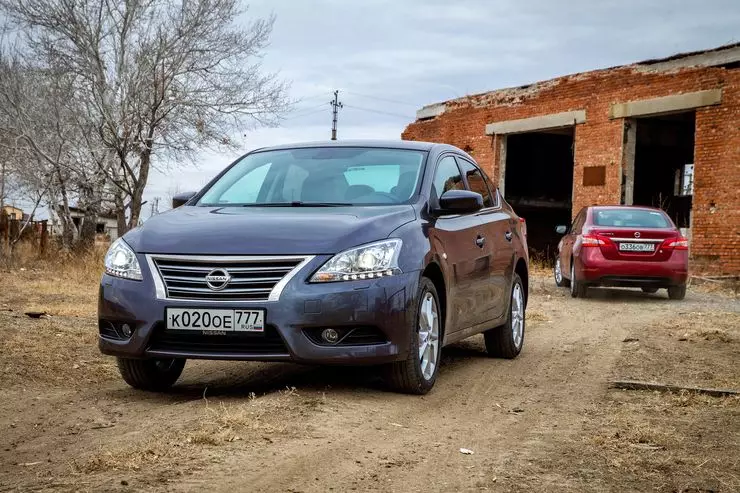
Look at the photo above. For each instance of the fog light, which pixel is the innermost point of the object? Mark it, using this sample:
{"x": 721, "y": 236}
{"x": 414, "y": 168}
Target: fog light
{"x": 126, "y": 330}
{"x": 330, "y": 335}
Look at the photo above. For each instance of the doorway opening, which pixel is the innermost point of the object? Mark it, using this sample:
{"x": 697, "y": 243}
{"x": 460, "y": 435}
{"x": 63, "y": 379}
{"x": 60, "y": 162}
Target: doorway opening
{"x": 664, "y": 164}
{"x": 538, "y": 183}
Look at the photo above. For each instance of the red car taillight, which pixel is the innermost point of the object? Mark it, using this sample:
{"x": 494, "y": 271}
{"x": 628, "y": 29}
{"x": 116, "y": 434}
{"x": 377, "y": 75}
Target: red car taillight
{"x": 592, "y": 241}
{"x": 680, "y": 243}
{"x": 523, "y": 222}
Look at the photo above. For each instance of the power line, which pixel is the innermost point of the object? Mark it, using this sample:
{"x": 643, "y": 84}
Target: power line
{"x": 405, "y": 117}
{"x": 382, "y": 99}
{"x": 309, "y": 108}
{"x": 309, "y": 113}
{"x": 315, "y": 96}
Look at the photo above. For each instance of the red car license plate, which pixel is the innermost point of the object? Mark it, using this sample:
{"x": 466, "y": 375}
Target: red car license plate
{"x": 637, "y": 247}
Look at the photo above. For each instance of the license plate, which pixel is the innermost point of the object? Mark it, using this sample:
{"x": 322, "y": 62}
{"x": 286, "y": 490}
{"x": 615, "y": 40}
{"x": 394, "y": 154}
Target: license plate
{"x": 219, "y": 320}
{"x": 637, "y": 247}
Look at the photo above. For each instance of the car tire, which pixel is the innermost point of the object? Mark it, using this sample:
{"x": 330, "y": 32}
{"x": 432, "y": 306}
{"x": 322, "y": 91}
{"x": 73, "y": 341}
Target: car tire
{"x": 578, "y": 289}
{"x": 154, "y": 375}
{"x": 677, "y": 292}
{"x": 650, "y": 290}
{"x": 412, "y": 375}
{"x": 506, "y": 341}
{"x": 560, "y": 280}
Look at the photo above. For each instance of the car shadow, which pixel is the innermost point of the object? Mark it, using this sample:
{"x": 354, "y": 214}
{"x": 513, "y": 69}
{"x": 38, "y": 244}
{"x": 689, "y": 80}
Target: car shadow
{"x": 246, "y": 379}
{"x": 462, "y": 351}
{"x": 274, "y": 377}
{"x": 626, "y": 294}
{"x": 251, "y": 379}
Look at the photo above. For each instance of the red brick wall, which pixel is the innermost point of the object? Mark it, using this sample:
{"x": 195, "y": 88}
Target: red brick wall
{"x": 598, "y": 142}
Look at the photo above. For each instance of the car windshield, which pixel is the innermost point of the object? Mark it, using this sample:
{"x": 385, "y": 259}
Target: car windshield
{"x": 322, "y": 176}
{"x": 630, "y": 218}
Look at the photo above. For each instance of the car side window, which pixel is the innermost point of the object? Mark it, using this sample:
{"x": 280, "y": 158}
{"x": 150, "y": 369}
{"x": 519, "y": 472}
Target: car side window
{"x": 476, "y": 181}
{"x": 494, "y": 191}
{"x": 446, "y": 177}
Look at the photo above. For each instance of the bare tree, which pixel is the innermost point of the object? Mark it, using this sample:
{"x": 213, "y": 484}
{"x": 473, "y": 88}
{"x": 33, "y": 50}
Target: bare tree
{"x": 155, "y": 77}
{"x": 5, "y": 172}
{"x": 36, "y": 108}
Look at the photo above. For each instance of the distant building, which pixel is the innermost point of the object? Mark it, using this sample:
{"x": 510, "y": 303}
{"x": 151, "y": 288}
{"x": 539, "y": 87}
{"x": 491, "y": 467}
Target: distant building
{"x": 663, "y": 133}
{"x": 105, "y": 224}
{"x": 14, "y": 213}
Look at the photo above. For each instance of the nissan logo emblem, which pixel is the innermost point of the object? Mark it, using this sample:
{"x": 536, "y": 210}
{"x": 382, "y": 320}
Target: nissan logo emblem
{"x": 637, "y": 234}
{"x": 218, "y": 279}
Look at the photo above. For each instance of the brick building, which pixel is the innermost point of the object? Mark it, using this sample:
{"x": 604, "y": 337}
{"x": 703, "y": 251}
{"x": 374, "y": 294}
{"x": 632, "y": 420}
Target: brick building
{"x": 660, "y": 132}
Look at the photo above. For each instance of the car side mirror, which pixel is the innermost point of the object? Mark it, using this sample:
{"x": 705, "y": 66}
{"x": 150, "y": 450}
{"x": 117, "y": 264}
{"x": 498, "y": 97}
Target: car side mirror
{"x": 561, "y": 230}
{"x": 182, "y": 198}
{"x": 460, "y": 202}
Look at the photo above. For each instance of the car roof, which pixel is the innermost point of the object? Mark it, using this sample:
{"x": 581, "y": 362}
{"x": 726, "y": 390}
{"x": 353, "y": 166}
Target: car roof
{"x": 381, "y": 144}
{"x": 634, "y": 207}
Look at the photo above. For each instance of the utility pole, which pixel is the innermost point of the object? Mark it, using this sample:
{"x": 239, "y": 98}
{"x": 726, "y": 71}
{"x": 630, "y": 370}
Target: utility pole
{"x": 336, "y": 105}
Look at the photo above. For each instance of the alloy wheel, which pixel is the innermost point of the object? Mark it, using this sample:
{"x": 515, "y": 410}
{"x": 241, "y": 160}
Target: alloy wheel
{"x": 428, "y": 335}
{"x": 558, "y": 272}
{"x": 517, "y": 315}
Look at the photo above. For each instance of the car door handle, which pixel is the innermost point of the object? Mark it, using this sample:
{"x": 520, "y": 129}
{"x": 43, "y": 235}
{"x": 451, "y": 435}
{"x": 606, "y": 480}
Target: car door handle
{"x": 480, "y": 241}
{"x": 508, "y": 235}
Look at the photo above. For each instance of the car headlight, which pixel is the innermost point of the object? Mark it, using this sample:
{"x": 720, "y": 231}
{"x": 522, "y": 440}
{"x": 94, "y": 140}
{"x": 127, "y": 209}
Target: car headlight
{"x": 120, "y": 261}
{"x": 379, "y": 259}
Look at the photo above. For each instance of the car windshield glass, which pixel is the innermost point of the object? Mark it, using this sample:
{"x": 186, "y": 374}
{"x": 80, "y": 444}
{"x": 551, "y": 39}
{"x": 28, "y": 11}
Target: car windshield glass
{"x": 630, "y": 218}
{"x": 320, "y": 176}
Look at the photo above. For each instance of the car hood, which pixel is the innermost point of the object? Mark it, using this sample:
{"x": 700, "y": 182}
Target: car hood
{"x": 194, "y": 230}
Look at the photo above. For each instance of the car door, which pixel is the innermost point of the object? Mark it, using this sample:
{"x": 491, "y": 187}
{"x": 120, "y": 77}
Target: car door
{"x": 498, "y": 235}
{"x": 456, "y": 239}
{"x": 566, "y": 246}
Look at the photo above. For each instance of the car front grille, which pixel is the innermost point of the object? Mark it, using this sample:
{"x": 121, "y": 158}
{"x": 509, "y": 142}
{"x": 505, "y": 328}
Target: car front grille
{"x": 250, "y": 278}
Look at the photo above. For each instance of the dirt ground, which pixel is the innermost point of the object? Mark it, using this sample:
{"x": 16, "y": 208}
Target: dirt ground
{"x": 547, "y": 421}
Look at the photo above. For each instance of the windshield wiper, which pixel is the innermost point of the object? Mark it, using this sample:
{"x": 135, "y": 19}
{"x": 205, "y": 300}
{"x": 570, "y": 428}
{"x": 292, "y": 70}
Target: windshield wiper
{"x": 298, "y": 203}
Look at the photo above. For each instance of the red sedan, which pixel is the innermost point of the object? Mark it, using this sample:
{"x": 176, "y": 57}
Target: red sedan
{"x": 624, "y": 246}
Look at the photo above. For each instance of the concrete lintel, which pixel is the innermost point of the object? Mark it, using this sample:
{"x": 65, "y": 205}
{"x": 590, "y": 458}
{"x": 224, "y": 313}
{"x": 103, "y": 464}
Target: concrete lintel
{"x": 431, "y": 111}
{"x": 544, "y": 122}
{"x": 666, "y": 104}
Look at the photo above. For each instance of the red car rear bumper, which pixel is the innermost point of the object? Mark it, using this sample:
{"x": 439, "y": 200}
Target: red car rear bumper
{"x": 593, "y": 268}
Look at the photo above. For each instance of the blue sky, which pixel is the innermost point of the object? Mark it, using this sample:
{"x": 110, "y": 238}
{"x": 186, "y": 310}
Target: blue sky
{"x": 389, "y": 58}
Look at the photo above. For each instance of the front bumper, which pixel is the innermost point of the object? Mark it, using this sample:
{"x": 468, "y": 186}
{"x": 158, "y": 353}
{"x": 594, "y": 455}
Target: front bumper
{"x": 381, "y": 304}
{"x": 593, "y": 268}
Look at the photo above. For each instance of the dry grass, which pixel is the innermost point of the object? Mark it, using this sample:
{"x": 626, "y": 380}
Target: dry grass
{"x": 131, "y": 457}
{"x": 639, "y": 441}
{"x": 540, "y": 266}
{"x": 691, "y": 349}
{"x": 229, "y": 423}
{"x": 723, "y": 287}
{"x": 211, "y": 425}
{"x": 61, "y": 284}
{"x": 63, "y": 347}
{"x": 674, "y": 441}
{"x": 55, "y": 351}
{"x": 708, "y": 326}
{"x": 535, "y": 316}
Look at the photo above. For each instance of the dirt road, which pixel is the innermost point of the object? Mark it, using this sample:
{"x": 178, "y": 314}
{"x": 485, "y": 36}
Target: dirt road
{"x": 543, "y": 422}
